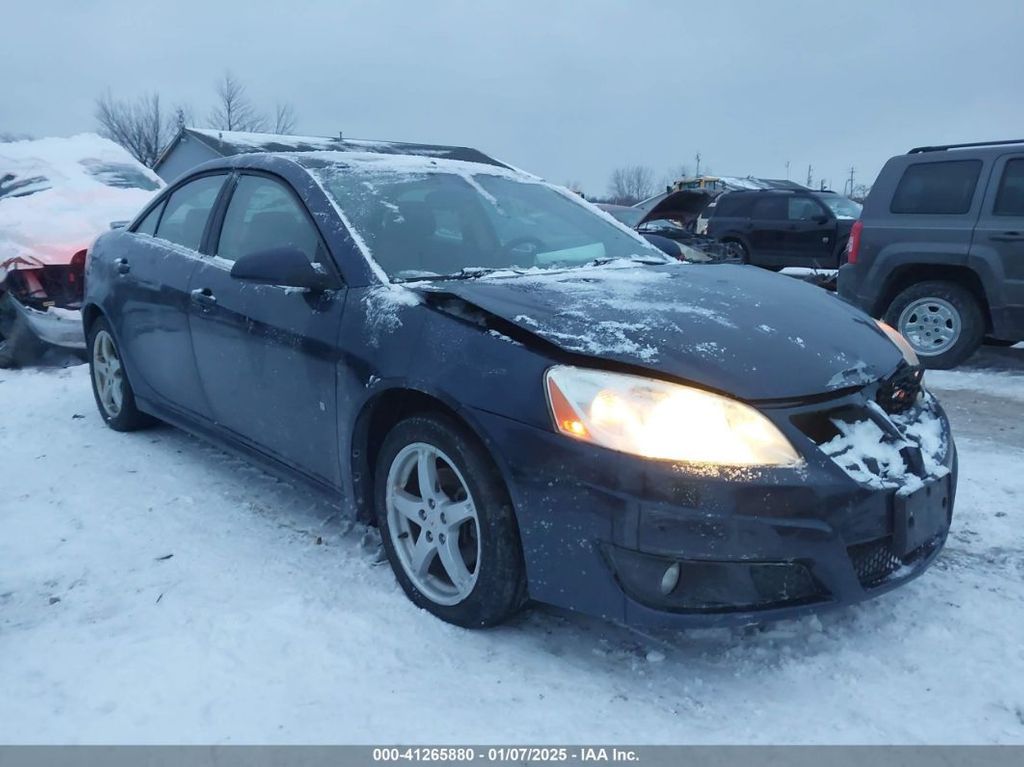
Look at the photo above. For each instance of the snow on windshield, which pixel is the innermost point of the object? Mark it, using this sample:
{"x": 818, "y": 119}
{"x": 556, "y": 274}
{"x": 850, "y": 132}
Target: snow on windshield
{"x": 419, "y": 217}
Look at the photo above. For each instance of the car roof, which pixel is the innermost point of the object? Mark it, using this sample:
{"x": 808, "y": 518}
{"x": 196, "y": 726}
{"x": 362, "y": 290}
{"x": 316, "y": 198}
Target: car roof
{"x": 977, "y": 148}
{"x": 287, "y": 162}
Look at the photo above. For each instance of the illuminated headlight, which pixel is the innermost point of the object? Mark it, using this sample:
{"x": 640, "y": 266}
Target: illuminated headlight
{"x": 661, "y": 420}
{"x": 901, "y": 343}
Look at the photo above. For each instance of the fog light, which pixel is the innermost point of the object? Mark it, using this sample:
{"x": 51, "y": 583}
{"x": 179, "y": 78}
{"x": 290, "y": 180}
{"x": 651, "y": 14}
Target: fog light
{"x": 670, "y": 579}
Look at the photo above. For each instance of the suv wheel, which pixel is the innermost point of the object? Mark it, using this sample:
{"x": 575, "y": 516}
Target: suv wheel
{"x": 447, "y": 523}
{"x": 941, "y": 320}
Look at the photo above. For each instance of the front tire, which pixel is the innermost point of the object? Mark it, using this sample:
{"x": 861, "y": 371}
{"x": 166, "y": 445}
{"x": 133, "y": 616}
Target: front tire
{"x": 114, "y": 396}
{"x": 942, "y": 321}
{"x": 447, "y": 523}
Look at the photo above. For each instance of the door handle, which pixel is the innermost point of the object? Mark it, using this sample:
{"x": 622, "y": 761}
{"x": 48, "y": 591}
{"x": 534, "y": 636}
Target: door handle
{"x": 122, "y": 266}
{"x": 1008, "y": 237}
{"x": 203, "y": 297}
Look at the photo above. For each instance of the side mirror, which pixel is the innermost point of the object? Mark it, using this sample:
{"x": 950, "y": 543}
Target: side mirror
{"x": 281, "y": 266}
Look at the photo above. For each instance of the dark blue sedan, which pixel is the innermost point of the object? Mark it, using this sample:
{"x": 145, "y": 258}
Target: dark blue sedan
{"x": 528, "y": 399}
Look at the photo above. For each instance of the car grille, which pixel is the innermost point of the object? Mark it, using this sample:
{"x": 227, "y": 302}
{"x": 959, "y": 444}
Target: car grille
{"x": 874, "y": 561}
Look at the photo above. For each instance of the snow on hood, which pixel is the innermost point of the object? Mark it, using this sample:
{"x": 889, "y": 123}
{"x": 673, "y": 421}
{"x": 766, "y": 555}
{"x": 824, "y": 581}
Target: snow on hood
{"x": 73, "y": 197}
{"x": 737, "y": 329}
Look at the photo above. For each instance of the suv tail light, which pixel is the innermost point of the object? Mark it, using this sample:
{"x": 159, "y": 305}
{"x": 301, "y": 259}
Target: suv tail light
{"x": 853, "y": 246}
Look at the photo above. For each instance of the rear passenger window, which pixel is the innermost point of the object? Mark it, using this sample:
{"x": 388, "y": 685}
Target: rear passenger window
{"x": 770, "y": 208}
{"x": 1010, "y": 198}
{"x": 148, "y": 224}
{"x": 937, "y": 188}
{"x": 186, "y": 212}
{"x": 264, "y": 215}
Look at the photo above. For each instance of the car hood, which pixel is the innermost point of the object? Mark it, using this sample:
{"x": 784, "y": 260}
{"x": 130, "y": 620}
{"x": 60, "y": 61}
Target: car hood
{"x": 736, "y": 329}
{"x": 682, "y": 205}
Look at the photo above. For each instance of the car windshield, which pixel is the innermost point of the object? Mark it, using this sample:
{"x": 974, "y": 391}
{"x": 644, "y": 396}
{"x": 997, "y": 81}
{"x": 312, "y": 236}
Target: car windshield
{"x": 119, "y": 174}
{"x": 631, "y": 217}
{"x": 841, "y": 207}
{"x": 434, "y": 224}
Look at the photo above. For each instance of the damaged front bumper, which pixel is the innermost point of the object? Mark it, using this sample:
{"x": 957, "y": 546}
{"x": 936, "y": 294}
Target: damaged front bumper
{"x": 53, "y": 325}
{"x": 651, "y": 543}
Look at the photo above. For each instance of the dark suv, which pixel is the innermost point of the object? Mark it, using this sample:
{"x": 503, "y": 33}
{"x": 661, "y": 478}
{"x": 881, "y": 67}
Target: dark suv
{"x": 783, "y": 227}
{"x": 939, "y": 249}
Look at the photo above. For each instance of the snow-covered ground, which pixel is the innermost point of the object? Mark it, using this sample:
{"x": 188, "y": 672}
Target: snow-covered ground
{"x": 155, "y": 590}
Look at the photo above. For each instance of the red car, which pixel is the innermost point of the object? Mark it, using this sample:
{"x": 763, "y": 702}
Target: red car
{"x": 56, "y": 196}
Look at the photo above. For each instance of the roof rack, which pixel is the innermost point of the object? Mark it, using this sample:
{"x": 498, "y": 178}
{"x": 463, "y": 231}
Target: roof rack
{"x": 944, "y": 147}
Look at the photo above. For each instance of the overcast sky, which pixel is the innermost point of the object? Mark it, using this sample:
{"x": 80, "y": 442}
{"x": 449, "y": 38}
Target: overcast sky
{"x": 567, "y": 90}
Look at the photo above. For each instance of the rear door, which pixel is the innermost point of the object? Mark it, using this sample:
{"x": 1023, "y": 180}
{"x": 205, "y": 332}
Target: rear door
{"x": 153, "y": 279}
{"x": 268, "y": 355}
{"x": 769, "y": 219}
{"x": 997, "y": 250}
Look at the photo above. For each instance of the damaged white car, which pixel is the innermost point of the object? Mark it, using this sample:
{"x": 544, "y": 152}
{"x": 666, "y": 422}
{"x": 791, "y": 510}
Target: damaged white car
{"x": 56, "y": 196}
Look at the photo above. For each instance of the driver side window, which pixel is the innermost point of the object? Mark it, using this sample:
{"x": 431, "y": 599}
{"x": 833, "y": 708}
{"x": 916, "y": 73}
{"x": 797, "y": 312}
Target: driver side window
{"x": 262, "y": 215}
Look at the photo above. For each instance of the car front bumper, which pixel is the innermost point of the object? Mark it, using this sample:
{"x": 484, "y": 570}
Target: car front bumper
{"x": 601, "y": 532}
{"x": 58, "y": 327}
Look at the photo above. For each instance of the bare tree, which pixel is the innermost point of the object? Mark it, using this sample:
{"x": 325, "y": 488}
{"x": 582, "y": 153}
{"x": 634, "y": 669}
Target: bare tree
{"x": 6, "y": 136}
{"x": 139, "y": 126}
{"x": 674, "y": 174}
{"x": 631, "y": 184}
{"x": 284, "y": 118}
{"x": 234, "y": 111}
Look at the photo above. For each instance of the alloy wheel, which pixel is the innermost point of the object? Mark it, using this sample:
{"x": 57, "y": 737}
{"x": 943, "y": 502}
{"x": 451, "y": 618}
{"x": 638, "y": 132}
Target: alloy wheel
{"x": 107, "y": 374}
{"x": 433, "y": 523}
{"x": 932, "y": 325}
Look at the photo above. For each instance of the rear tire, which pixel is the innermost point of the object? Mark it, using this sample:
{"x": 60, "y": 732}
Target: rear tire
{"x": 942, "y": 321}
{"x": 115, "y": 398}
{"x": 469, "y": 572}
{"x": 739, "y": 249}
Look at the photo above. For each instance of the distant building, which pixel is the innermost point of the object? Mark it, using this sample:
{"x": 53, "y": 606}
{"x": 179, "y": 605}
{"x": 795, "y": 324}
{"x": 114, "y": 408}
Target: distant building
{"x": 194, "y": 146}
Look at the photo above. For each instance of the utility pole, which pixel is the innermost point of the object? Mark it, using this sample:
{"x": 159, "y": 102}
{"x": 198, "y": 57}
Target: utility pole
{"x": 810, "y": 178}
{"x": 848, "y": 187}
{"x": 787, "y": 170}
{"x": 697, "y": 174}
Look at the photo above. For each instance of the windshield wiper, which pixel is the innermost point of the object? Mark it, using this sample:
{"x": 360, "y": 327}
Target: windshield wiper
{"x": 636, "y": 259}
{"x": 466, "y": 273}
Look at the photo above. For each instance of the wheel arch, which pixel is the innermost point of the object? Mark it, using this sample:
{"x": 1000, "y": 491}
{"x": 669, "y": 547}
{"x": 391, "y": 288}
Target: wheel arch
{"x": 380, "y": 413}
{"x": 905, "y": 276}
{"x": 90, "y": 313}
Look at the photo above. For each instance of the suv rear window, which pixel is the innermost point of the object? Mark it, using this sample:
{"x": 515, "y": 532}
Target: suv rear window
{"x": 937, "y": 188}
{"x": 1010, "y": 199}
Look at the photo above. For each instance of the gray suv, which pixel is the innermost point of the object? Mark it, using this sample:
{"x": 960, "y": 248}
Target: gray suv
{"x": 939, "y": 249}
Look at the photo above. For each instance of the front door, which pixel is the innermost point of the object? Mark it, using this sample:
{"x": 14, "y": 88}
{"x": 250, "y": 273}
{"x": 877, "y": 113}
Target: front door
{"x": 999, "y": 243}
{"x": 267, "y": 355}
{"x": 809, "y": 235}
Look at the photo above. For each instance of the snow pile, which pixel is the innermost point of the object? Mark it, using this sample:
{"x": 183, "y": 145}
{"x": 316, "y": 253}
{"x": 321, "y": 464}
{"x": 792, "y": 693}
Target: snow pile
{"x": 872, "y": 457}
{"x": 273, "y": 621}
{"x": 79, "y": 185}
